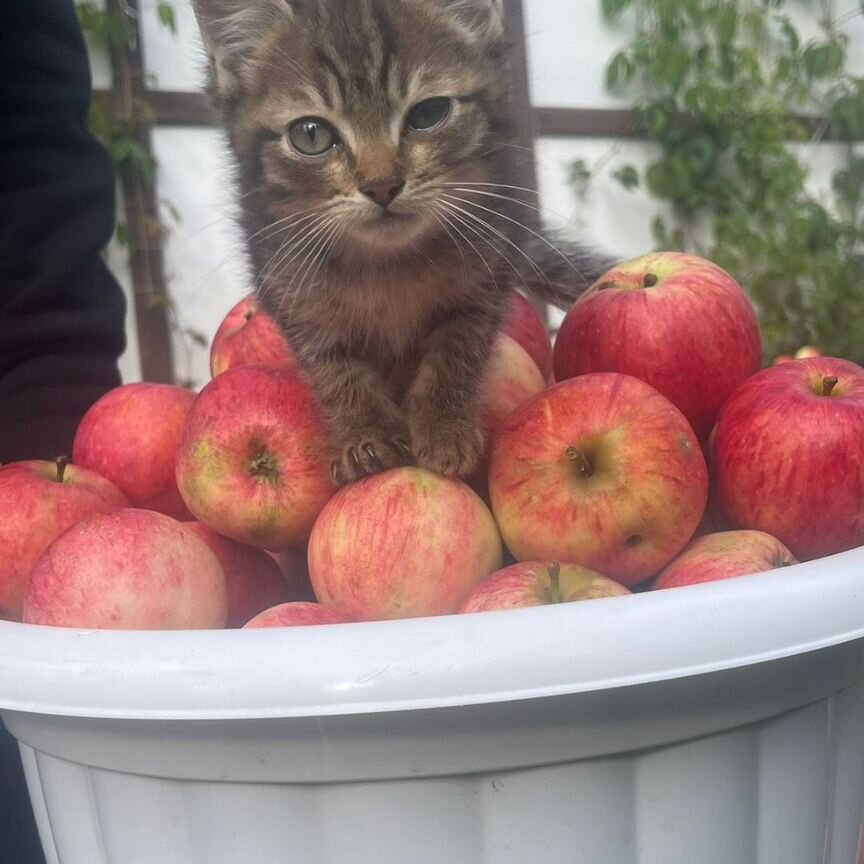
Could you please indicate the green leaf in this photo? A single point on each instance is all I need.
(627, 176)
(167, 17)
(579, 176)
(658, 231)
(823, 59)
(619, 71)
(727, 22)
(613, 8)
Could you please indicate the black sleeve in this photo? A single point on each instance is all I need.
(61, 311)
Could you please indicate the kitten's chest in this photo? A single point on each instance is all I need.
(387, 316)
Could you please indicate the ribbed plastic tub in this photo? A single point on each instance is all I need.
(718, 724)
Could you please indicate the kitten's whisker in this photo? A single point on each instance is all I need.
(315, 257)
(309, 247)
(516, 222)
(468, 241)
(498, 185)
(503, 254)
(278, 222)
(485, 237)
(329, 243)
(437, 218)
(285, 250)
(501, 235)
(533, 207)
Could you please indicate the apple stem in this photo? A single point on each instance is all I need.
(829, 382)
(554, 582)
(61, 462)
(650, 280)
(580, 460)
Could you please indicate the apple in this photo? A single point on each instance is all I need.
(676, 321)
(600, 470)
(788, 455)
(38, 501)
(511, 378)
(249, 335)
(253, 462)
(128, 570)
(723, 555)
(525, 325)
(254, 580)
(780, 359)
(807, 351)
(297, 614)
(402, 544)
(130, 436)
(534, 583)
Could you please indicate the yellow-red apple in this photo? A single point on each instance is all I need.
(39, 501)
(402, 544)
(253, 462)
(676, 321)
(297, 614)
(600, 470)
(511, 378)
(130, 436)
(254, 580)
(524, 324)
(249, 335)
(128, 570)
(723, 555)
(535, 583)
(788, 455)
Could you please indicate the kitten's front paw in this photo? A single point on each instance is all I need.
(453, 448)
(369, 451)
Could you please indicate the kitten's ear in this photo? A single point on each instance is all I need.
(485, 18)
(232, 29)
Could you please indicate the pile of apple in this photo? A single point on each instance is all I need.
(218, 509)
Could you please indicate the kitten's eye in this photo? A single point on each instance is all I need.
(428, 114)
(312, 136)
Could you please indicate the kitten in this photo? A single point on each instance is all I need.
(370, 141)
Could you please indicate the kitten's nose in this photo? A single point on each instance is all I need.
(382, 192)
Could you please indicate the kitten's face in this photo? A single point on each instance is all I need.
(355, 118)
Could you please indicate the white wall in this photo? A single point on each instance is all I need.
(568, 47)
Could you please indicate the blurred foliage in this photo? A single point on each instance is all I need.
(721, 87)
(120, 134)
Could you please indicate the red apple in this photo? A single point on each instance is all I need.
(402, 544)
(297, 614)
(676, 321)
(130, 436)
(788, 455)
(128, 570)
(253, 463)
(724, 555)
(601, 470)
(526, 326)
(780, 359)
(534, 583)
(38, 502)
(254, 580)
(512, 378)
(249, 335)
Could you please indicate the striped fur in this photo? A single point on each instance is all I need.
(392, 314)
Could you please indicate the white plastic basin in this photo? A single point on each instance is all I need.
(718, 724)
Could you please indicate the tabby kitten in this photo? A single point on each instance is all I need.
(370, 142)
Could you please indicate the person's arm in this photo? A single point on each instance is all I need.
(61, 311)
